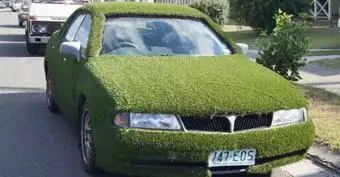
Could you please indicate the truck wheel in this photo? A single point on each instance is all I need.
(32, 49)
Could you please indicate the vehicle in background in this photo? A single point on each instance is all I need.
(16, 5)
(23, 13)
(44, 18)
(8, 3)
(2, 4)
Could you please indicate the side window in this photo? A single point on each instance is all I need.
(84, 31)
(72, 30)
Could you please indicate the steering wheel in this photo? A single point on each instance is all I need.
(126, 44)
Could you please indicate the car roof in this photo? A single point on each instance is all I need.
(137, 8)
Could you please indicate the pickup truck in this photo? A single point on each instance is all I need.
(44, 18)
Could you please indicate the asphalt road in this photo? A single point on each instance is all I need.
(34, 142)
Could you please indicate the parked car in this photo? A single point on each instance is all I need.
(8, 3)
(45, 17)
(2, 4)
(151, 97)
(23, 14)
(16, 5)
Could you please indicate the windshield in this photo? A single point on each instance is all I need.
(61, 1)
(160, 36)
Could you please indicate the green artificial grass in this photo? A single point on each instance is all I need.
(194, 85)
(176, 85)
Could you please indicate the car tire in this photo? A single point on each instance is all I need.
(51, 104)
(86, 140)
(21, 23)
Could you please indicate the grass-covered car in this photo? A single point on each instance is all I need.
(157, 90)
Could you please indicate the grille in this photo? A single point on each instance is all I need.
(223, 124)
(248, 122)
(51, 26)
(216, 124)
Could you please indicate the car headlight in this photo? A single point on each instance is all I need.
(148, 121)
(36, 28)
(285, 117)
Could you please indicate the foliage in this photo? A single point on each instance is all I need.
(259, 13)
(216, 9)
(282, 51)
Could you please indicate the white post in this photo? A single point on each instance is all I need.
(330, 10)
(315, 10)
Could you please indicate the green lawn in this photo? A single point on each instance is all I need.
(324, 110)
(322, 36)
(327, 63)
(320, 53)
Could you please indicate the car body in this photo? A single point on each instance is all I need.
(16, 5)
(45, 17)
(167, 108)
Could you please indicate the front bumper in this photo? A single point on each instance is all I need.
(38, 39)
(158, 153)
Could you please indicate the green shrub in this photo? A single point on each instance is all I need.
(283, 50)
(216, 9)
(259, 13)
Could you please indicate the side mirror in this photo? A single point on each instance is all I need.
(244, 48)
(71, 48)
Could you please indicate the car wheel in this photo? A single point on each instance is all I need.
(86, 140)
(51, 104)
(20, 23)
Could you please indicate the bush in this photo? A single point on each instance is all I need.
(216, 9)
(283, 50)
(259, 13)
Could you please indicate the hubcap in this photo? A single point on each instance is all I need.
(86, 137)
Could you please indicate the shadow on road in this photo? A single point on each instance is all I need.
(320, 70)
(10, 26)
(34, 142)
(17, 50)
(12, 37)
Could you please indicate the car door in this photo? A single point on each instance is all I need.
(60, 67)
(71, 67)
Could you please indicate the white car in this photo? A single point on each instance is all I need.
(44, 18)
(16, 5)
(339, 24)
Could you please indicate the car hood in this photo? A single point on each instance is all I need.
(52, 12)
(194, 85)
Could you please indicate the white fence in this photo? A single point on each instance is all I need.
(179, 2)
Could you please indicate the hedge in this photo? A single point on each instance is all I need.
(177, 85)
